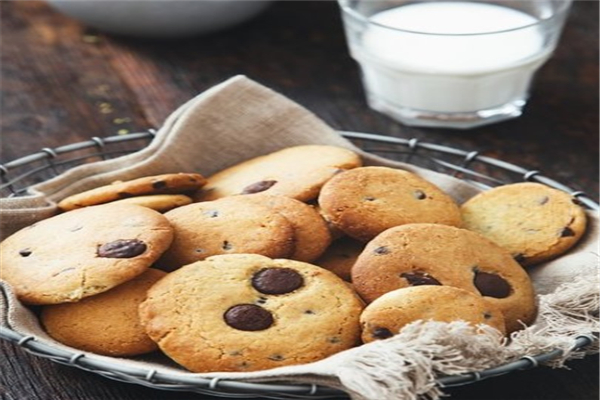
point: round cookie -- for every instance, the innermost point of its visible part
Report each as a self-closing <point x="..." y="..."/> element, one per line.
<point x="311" y="234"/>
<point x="432" y="254"/>
<point x="341" y="256"/>
<point x="159" y="184"/>
<point x="226" y="226"/>
<point x="298" y="172"/>
<point x="82" y="253"/>
<point x="158" y="202"/>
<point x="364" y="202"/>
<point x="107" y="323"/>
<point x="388" y="314"/>
<point x="532" y="221"/>
<point x="247" y="312"/>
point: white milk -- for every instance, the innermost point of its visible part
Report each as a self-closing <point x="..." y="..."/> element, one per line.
<point x="465" y="68"/>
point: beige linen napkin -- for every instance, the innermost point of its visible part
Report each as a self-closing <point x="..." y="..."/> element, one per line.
<point x="240" y="119"/>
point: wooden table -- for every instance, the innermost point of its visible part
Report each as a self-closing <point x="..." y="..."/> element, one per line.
<point x="63" y="83"/>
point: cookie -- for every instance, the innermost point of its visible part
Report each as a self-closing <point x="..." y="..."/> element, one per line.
<point x="226" y="226"/>
<point x="107" y="323"/>
<point x="432" y="254"/>
<point x="534" y="222"/>
<point x="82" y="253"/>
<point x="388" y="314"/>
<point x="159" y="184"/>
<point x="298" y="172"/>
<point x="311" y="233"/>
<point x="158" y="202"/>
<point x="341" y="256"/>
<point x="247" y="312"/>
<point x="364" y="202"/>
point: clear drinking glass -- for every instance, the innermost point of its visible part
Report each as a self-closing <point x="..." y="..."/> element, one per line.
<point x="454" y="64"/>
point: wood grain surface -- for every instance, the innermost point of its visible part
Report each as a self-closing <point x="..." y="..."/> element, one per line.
<point x="63" y="83"/>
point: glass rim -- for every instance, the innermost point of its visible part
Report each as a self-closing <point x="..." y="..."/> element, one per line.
<point x="345" y="7"/>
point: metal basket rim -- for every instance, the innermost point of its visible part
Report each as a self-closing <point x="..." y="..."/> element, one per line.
<point x="230" y="387"/>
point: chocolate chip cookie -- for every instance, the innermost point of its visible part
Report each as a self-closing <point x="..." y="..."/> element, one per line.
<point x="226" y="226"/>
<point x="532" y="221"/>
<point x="82" y="253"/>
<point x="106" y="323"/>
<point x="341" y="256"/>
<point x="364" y="202"/>
<point x="297" y="172"/>
<point x="247" y="312"/>
<point x="159" y="184"/>
<point x="311" y="234"/>
<point x="432" y="254"/>
<point x="388" y="314"/>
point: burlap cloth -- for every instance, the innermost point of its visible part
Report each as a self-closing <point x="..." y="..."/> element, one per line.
<point x="240" y="119"/>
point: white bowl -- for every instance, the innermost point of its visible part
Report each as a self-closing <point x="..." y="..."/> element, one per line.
<point x="156" y="18"/>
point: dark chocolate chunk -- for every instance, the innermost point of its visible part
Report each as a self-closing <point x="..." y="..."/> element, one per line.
<point x="159" y="185"/>
<point x="248" y="317"/>
<point x="382" y="333"/>
<point x="309" y="312"/>
<point x="419" y="195"/>
<point x="417" y="278"/>
<point x="491" y="285"/>
<point x="257" y="187"/>
<point x="277" y="280"/>
<point x="25" y="253"/>
<point x="381" y="250"/>
<point x="226" y="245"/>
<point x="566" y="232"/>
<point x="122" y="248"/>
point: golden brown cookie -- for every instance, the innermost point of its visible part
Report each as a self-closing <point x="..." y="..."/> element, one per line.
<point x="159" y="184"/>
<point x="311" y="234"/>
<point x="226" y="226"/>
<point x="158" y="202"/>
<point x="82" y="253"/>
<point x="247" y="312"/>
<point x="432" y="254"/>
<point x="107" y="323"/>
<point x="532" y="221"/>
<point x="341" y="256"/>
<point x="388" y="314"/>
<point x="364" y="202"/>
<point x="297" y="172"/>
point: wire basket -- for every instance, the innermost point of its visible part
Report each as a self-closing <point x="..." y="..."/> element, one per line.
<point x="485" y="172"/>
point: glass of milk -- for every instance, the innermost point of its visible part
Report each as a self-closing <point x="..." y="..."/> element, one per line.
<point x="454" y="64"/>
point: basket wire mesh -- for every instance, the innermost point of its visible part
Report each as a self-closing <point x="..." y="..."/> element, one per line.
<point x="485" y="172"/>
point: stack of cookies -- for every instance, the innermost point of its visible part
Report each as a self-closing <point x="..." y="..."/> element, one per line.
<point x="283" y="259"/>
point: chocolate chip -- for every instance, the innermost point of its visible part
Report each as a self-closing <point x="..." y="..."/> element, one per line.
<point x="309" y="312"/>
<point x="122" y="248"/>
<point x="257" y="187"/>
<point x="381" y="250"/>
<point x="543" y="200"/>
<point x="124" y="195"/>
<point x="199" y="251"/>
<point x="419" y="195"/>
<point x="519" y="257"/>
<point x="576" y="201"/>
<point x="226" y="245"/>
<point x="417" y="278"/>
<point x="261" y="300"/>
<point x="491" y="285"/>
<point x="487" y="315"/>
<point x="159" y="185"/>
<point x="369" y="198"/>
<point x="277" y="280"/>
<point x="567" y="232"/>
<point x="25" y="253"/>
<point x="248" y="317"/>
<point x="382" y="333"/>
